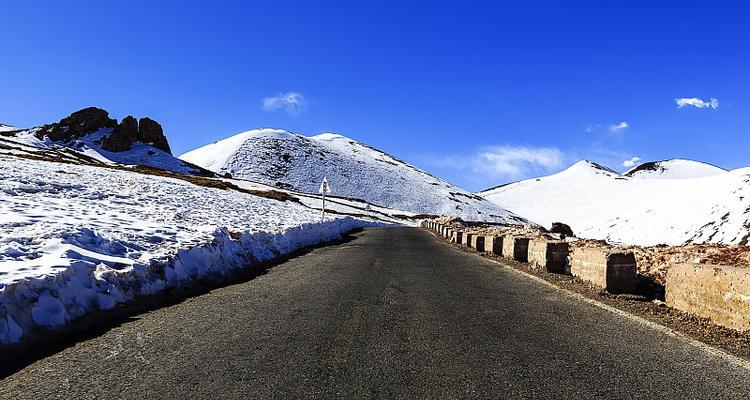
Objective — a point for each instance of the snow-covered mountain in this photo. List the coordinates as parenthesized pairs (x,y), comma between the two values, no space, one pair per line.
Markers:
(291,161)
(7,128)
(93,134)
(670,202)
(674,169)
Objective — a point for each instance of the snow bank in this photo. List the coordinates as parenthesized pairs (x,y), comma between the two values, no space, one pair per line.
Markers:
(88,284)
(76,238)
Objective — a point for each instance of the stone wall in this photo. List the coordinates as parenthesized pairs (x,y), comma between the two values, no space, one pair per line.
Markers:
(719,293)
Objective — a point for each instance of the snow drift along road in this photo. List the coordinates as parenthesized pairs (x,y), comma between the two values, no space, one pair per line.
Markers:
(671,202)
(79,238)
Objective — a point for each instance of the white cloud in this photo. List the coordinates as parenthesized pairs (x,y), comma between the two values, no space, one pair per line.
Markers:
(632,162)
(696,102)
(592,128)
(614,128)
(619,127)
(516,161)
(292,102)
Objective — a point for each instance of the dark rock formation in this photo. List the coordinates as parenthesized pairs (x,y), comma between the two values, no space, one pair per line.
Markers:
(123,136)
(559,227)
(77,124)
(150,132)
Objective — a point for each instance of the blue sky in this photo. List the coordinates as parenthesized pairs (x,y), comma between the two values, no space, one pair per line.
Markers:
(479,93)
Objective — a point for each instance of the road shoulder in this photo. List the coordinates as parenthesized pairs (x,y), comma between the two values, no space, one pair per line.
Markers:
(698,332)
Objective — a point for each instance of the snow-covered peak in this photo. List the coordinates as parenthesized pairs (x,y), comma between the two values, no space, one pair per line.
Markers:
(215,156)
(674,169)
(329,136)
(673,202)
(588,167)
(356,170)
(740,171)
(7,128)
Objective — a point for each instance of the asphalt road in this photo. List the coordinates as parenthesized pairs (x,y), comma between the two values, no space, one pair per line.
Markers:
(391,314)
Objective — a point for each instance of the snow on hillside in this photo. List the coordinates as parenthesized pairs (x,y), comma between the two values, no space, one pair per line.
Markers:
(674,169)
(76,238)
(91,133)
(7,128)
(686,204)
(286,160)
(90,145)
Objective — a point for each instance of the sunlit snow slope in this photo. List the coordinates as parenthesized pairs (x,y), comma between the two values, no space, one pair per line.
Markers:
(291,161)
(674,169)
(671,202)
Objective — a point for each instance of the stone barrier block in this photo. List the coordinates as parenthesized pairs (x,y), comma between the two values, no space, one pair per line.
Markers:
(552,256)
(477,242)
(612,270)
(466,240)
(493,244)
(719,293)
(516,248)
(458,237)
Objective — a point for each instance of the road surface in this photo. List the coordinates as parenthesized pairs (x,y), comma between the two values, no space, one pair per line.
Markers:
(393,313)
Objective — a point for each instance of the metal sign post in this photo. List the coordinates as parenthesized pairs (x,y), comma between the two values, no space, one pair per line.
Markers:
(324,188)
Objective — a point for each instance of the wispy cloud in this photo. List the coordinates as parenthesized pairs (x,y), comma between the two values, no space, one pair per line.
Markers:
(618,127)
(696,102)
(491,165)
(292,102)
(631,162)
(614,128)
(516,162)
(592,128)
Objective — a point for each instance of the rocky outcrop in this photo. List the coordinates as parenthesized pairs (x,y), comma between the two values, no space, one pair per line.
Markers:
(131,130)
(77,124)
(122,135)
(150,132)
(564,229)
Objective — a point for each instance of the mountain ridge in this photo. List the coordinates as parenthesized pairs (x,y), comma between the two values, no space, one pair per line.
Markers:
(692,206)
(292,161)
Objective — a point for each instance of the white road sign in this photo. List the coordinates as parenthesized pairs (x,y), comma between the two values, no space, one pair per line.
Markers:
(324,188)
